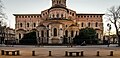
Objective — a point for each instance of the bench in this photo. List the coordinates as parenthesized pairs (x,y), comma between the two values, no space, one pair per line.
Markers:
(73,53)
(10,52)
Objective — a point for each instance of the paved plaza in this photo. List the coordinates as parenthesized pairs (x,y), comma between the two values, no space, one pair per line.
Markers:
(59,51)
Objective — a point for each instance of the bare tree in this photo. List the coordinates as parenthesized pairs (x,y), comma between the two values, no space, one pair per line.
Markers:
(3,16)
(114,17)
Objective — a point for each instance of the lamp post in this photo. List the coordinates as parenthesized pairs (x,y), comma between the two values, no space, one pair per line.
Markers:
(109,28)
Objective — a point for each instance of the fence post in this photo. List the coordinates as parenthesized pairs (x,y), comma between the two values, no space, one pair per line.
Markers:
(2,52)
(50,53)
(33,53)
(82,53)
(98,53)
(66,53)
(111,52)
(18,52)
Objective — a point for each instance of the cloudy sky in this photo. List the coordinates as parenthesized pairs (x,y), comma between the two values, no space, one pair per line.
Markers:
(36,6)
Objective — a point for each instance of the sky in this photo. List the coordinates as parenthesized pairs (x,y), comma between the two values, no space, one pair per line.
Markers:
(36,6)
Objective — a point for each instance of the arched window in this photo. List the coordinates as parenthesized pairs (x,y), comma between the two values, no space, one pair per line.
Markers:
(61,15)
(82,24)
(19,36)
(47,33)
(72,33)
(97,35)
(42,33)
(53,15)
(96,24)
(34,24)
(72,14)
(55,32)
(57,15)
(66,33)
(27,24)
(89,24)
(59,2)
(20,24)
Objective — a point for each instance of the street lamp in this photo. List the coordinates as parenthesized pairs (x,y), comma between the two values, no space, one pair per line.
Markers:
(109,28)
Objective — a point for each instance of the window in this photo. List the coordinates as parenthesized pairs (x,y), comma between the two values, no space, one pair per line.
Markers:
(97,16)
(97,35)
(53,15)
(57,15)
(47,26)
(42,33)
(82,24)
(19,36)
(59,2)
(66,33)
(61,15)
(84,16)
(89,24)
(91,16)
(66,25)
(88,16)
(43,14)
(20,24)
(96,24)
(27,24)
(55,32)
(70,13)
(47,33)
(34,24)
(73,14)
(72,33)
(81,16)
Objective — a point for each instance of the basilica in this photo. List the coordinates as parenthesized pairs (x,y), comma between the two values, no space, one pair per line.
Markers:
(56,22)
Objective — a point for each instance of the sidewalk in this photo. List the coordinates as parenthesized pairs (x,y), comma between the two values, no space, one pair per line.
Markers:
(58,52)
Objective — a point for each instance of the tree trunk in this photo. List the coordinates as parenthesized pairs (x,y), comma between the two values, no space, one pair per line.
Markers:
(117,33)
(118,40)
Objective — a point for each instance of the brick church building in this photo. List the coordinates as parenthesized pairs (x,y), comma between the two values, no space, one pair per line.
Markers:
(57,21)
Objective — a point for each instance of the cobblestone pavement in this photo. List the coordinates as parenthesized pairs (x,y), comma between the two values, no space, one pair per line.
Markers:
(59,51)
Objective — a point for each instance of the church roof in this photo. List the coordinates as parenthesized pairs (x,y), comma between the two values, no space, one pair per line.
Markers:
(90,14)
(26,14)
(58,6)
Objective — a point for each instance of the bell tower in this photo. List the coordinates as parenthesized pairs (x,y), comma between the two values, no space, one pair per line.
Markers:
(61,3)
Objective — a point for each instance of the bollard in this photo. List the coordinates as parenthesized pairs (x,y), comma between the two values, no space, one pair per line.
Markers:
(50,53)
(2,52)
(33,53)
(111,52)
(66,53)
(13,52)
(82,53)
(7,52)
(98,53)
(18,53)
